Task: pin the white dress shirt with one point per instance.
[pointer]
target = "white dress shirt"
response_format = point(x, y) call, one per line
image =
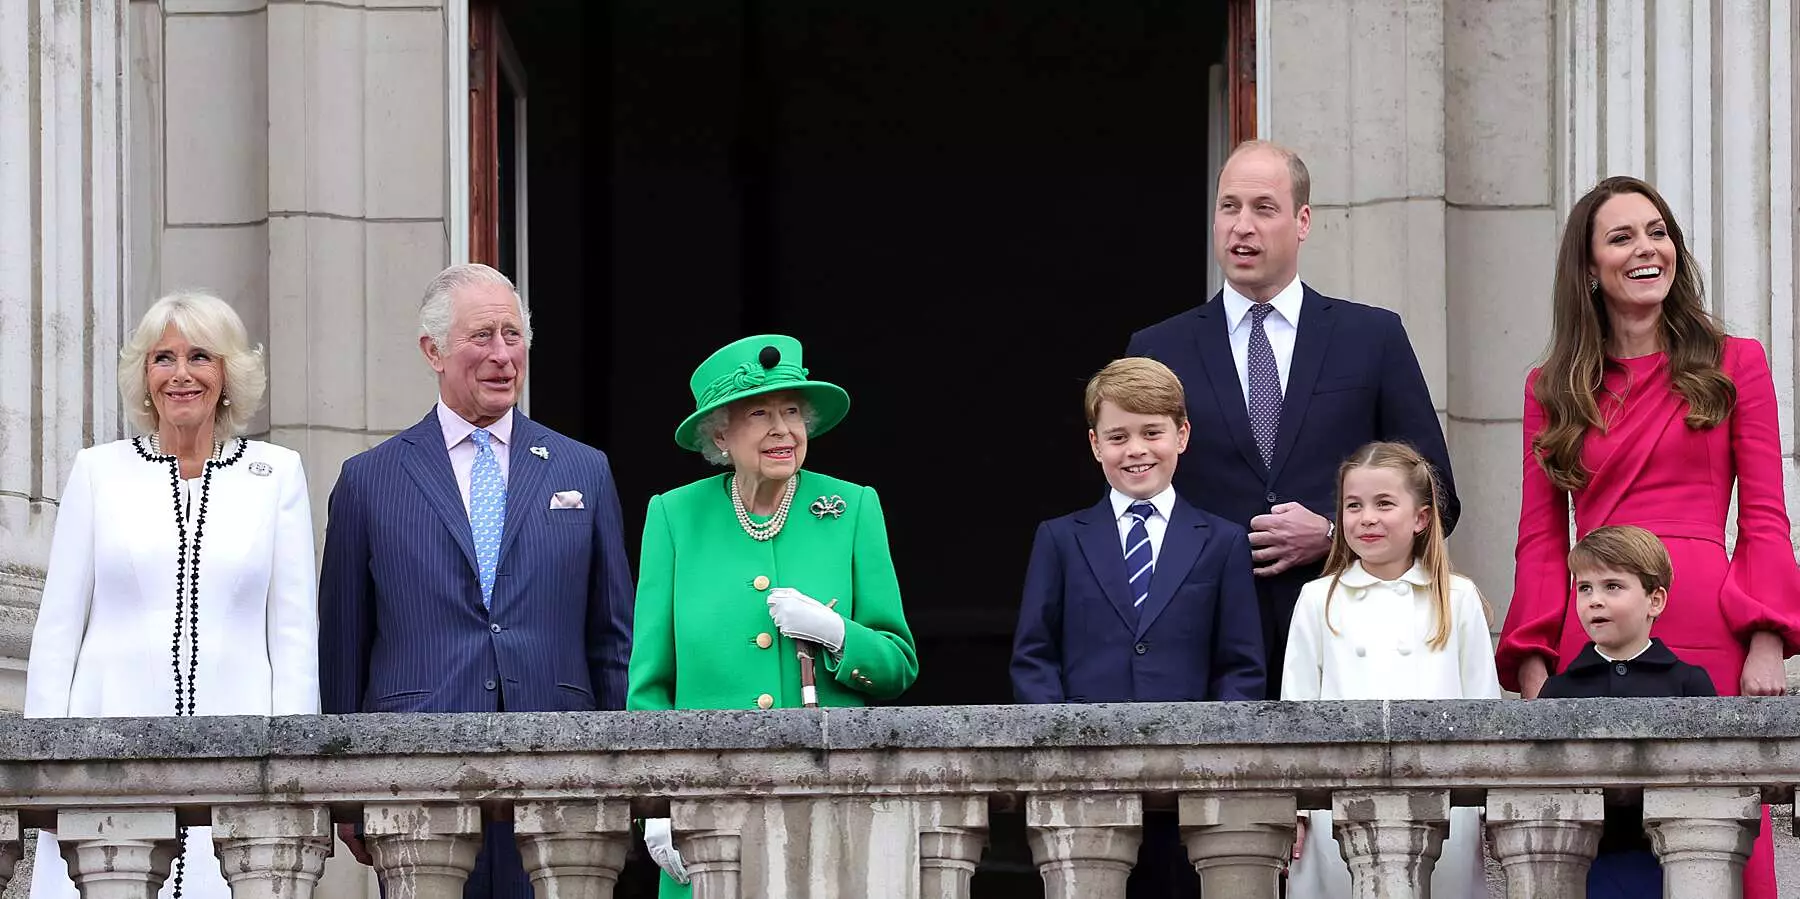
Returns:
point(1282, 325)
point(462, 449)
point(1156, 525)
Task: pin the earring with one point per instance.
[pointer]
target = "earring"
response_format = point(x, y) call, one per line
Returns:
point(146, 400)
point(1593, 285)
point(225, 402)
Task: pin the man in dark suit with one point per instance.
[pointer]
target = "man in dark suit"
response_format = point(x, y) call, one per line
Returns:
point(1283, 384)
point(475, 562)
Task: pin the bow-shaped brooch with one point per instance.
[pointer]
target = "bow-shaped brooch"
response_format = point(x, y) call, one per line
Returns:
point(832, 505)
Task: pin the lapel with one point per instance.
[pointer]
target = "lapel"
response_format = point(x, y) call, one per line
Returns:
point(1221, 370)
point(428, 463)
point(1303, 371)
point(1097, 532)
point(525, 474)
point(1181, 545)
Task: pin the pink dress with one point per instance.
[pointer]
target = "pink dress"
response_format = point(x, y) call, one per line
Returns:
point(1653, 471)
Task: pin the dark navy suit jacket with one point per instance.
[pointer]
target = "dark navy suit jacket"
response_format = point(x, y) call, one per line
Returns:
point(1354, 379)
point(1196, 638)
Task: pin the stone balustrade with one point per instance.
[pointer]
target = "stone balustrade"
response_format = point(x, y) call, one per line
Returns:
point(895, 802)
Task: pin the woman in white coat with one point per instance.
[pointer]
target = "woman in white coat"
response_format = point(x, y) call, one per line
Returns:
point(181, 577)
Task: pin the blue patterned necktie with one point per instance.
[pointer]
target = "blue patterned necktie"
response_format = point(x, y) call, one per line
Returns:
point(487, 511)
point(1265, 385)
point(1140, 561)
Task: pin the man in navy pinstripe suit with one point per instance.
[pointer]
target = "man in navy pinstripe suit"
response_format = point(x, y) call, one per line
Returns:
point(474, 563)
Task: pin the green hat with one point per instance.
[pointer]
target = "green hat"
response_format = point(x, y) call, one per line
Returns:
point(766, 363)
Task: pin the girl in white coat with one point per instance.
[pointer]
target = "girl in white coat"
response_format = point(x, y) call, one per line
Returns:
point(1388, 621)
point(128, 626)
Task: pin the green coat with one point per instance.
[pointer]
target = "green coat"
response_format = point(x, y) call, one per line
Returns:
point(702, 619)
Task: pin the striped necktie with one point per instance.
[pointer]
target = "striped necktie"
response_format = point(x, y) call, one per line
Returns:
point(1140, 561)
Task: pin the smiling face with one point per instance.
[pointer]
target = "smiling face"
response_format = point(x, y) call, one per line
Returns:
point(1631, 253)
point(765, 437)
point(185, 381)
point(1257, 229)
point(1616, 610)
point(1136, 452)
point(1380, 519)
point(480, 372)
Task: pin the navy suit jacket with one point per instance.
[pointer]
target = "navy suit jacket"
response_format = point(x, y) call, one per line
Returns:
point(402, 628)
point(1354, 379)
point(1196, 638)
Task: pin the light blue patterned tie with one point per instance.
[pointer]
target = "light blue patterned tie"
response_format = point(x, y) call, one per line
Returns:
point(487, 510)
point(1139, 560)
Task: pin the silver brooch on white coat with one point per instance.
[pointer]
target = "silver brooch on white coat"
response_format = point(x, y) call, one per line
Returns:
point(261, 469)
point(832, 505)
point(541, 453)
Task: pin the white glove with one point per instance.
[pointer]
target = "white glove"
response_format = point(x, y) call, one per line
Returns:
point(803, 618)
point(661, 844)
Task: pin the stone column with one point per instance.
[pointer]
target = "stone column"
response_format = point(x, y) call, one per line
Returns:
point(952, 833)
point(710, 836)
point(10, 847)
point(1085, 845)
point(1545, 840)
point(61, 276)
point(1391, 839)
point(272, 851)
point(573, 849)
point(1702, 836)
point(1239, 842)
point(117, 853)
point(423, 850)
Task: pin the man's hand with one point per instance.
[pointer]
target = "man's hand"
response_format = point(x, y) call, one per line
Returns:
point(1288, 536)
point(1763, 672)
point(347, 833)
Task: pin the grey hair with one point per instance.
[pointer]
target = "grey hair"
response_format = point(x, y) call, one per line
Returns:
point(434, 308)
point(208, 322)
point(716, 421)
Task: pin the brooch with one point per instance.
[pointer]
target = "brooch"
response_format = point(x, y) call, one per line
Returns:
point(541, 453)
point(832, 505)
point(261, 469)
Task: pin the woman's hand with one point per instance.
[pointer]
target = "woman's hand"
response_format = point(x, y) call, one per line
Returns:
point(800, 617)
point(1533, 671)
point(1764, 674)
point(1299, 836)
point(661, 843)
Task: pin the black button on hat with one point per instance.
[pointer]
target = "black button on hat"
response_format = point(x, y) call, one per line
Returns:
point(769, 357)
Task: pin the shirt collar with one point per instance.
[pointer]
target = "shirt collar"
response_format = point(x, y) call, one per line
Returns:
point(1357, 576)
point(1164, 502)
point(1286, 303)
point(456, 430)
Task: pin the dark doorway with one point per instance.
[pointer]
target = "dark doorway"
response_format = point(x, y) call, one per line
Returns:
point(961, 209)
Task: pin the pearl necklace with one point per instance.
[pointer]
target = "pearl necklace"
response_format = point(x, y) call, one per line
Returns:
point(156, 447)
point(767, 530)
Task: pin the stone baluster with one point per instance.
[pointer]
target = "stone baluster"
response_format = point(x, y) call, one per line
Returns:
point(1545, 840)
point(1391, 839)
point(1239, 842)
point(1085, 845)
point(1702, 836)
point(709, 833)
point(952, 833)
point(117, 853)
point(10, 848)
point(272, 851)
point(422, 850)
point(573, 849)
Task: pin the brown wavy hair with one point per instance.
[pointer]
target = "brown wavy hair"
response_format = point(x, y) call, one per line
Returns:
point(1570, 380)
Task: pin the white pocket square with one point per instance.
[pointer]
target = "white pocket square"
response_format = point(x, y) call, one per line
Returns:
point(566, 499)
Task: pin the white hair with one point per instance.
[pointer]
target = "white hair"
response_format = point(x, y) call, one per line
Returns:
point(434, 309)
point(718, 420)
point(208, 322)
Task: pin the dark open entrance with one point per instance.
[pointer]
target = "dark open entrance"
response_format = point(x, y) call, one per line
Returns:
point(961, 209)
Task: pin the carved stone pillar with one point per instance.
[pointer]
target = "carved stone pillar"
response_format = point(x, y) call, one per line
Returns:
point(117, 853)
point(1239, 842)
point(1545, 840)
point(1391, 839)
point(710, 836)
point(952, 833)
point(10, 848)
point(272, 851)
point(1085, 845)
point(1702, 836)
point(422, 850)
point(573, 849)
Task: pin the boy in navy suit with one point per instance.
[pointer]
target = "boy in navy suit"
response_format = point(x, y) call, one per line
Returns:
point(1142, 597)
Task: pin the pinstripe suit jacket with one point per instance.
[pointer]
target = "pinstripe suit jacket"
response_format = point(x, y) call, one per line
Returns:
point(402, 628)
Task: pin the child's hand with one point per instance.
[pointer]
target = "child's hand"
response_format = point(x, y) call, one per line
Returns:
point(1299, 835)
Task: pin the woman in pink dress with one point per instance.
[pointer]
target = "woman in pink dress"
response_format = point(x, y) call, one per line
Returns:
point(1646, 413)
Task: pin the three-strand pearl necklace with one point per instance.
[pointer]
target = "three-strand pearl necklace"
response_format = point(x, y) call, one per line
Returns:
point(767, 530)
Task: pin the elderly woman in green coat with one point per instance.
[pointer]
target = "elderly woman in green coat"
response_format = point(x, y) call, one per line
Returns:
point(741, 572)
